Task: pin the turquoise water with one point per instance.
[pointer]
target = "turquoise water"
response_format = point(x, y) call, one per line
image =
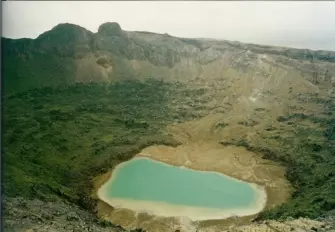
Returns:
point(148, 180)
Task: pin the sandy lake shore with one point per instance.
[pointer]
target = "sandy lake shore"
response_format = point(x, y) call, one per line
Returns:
point(172, 210)
point(235, 162)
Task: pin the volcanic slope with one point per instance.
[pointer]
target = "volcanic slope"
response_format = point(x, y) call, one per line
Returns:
point(77, 103)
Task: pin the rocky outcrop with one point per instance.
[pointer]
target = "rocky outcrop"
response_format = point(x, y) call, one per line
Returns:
point(58, 216)
point(111, 29)
point(64, 40)
point(297, 225)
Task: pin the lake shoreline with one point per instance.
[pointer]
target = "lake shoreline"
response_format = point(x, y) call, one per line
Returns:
point(175, 210)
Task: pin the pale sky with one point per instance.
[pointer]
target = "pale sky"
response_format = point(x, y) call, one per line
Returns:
point(292, 24)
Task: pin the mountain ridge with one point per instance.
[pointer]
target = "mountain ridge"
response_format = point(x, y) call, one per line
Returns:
point(166, 34)
point(69, 27)
point(165, 54)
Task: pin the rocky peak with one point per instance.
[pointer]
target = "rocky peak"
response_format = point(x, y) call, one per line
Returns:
point(111, 38)
point(110, 29)
point(67, 32)
point(65, 39)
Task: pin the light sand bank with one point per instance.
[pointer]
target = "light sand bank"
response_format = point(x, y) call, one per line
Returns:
point(235, 162)
point(172, 210)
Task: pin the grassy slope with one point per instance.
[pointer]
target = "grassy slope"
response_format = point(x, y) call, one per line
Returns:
point(55, 140)
point(23, 73)
point(305, 145)
point(309, 155)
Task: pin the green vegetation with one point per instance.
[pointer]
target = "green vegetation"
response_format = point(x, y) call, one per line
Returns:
point(40, 71)
point(57, 139)
point(308, 154)
point(305, 145)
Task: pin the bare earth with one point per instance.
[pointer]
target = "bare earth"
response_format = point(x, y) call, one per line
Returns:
point(204, 155)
